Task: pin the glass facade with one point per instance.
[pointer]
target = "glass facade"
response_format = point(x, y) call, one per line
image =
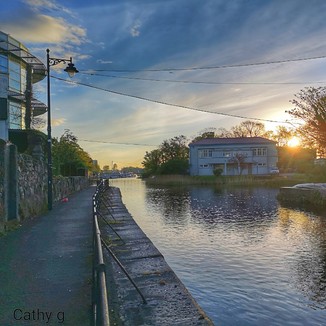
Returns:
point(3, 64)
point(15, 60)
point(16, 115)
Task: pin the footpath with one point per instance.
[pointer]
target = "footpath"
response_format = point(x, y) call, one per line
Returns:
point(46, 267)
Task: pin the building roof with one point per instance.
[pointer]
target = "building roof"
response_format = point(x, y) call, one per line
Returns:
point(8, 45)
point(232, 141)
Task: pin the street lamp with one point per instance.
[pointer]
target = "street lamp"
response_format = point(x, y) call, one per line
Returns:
point(71, 70)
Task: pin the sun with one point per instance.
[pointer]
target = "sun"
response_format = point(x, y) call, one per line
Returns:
point(294, 142)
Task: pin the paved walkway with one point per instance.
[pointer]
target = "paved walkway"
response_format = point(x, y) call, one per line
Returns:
point(46, 267)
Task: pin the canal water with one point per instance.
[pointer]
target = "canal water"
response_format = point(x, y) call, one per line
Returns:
point(245, 259)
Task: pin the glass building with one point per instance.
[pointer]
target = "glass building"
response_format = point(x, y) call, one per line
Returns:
point(19, 70)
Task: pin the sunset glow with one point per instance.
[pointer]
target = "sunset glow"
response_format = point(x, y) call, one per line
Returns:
point(294, 142)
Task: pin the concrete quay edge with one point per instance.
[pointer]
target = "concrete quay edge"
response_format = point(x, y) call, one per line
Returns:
point(168, 300)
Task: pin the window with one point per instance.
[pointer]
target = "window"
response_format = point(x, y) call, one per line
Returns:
point(261, 151)
point(14, 75)
point(16, 116)
point(205, 153)
point(226, 154)
point(3, 64)
point(23, 77)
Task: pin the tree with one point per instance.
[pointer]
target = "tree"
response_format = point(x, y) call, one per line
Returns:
point(170, 158)
point(206, 133)
point(248, 128)
point(310, 108)
point(68, 157)
point(282, 135)
point(239, 159)
point(175, 148)
point(152, 162)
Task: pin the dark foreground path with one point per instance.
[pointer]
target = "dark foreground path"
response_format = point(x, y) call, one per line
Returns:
point(46, 267)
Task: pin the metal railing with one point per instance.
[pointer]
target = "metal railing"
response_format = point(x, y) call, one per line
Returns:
point(99, 293)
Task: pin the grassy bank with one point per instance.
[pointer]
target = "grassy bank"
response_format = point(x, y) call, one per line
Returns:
point(244, 180)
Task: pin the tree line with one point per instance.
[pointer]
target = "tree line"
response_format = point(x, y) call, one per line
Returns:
point(69, 159)
point(309, 112)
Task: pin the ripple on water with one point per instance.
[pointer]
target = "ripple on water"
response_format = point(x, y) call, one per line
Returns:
point(245, 259)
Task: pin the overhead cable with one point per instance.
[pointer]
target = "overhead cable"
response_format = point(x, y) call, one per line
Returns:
point(215, 67)
point(202, 82)
point(115, 143)
point(166, 103)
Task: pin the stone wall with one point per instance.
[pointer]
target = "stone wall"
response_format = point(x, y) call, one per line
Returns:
point(32, 186)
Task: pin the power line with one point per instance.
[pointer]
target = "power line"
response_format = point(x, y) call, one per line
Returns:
point(166, 103)
point(202, 82)
point(214, 67)
point(115, 143)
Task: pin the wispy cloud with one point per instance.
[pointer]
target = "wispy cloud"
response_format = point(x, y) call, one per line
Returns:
point(58, 122)
point(32, 23)
point(40, 5)
point(103, 61)
point(135, 29)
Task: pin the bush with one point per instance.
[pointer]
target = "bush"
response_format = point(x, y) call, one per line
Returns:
point(218, 172)
point(177, 166)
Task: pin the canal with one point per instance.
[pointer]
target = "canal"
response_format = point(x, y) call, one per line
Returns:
point(245, 259)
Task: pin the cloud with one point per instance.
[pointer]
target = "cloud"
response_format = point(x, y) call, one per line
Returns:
point(46, 4)
point(58, 122)
point(45, 29)
point(134, 30)
point(35, 24)
point(103, 61)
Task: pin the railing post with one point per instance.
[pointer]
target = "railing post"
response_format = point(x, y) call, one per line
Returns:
point(99, 292)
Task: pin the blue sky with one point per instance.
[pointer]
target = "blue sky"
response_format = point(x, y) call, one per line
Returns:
point(139, 44)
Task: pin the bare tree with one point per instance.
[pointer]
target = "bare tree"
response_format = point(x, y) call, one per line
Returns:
point(310, 108)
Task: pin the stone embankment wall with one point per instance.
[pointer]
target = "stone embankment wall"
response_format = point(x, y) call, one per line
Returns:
point(29, 193)
point(32, 186)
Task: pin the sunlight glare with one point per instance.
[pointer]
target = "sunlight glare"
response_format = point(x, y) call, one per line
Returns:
point(294, 142)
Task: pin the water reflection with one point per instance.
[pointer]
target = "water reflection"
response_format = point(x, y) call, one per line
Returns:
point(245, 259)
point(307, 234)
point(173, 204)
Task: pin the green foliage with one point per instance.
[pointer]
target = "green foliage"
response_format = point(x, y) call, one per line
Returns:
point(218, 172)
point(295, 159)
point(174, 166)
point(319, 171)
point(170, 158)
point(68, 157)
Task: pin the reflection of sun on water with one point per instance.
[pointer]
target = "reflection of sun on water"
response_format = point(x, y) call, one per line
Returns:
point(294, 142)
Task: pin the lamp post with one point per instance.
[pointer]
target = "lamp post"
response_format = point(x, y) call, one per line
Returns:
point(71, 70)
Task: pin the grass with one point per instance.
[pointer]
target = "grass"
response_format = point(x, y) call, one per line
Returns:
point(9, 226)
point(244, 180)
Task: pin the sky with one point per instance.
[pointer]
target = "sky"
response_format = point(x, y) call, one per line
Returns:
point(150, 70)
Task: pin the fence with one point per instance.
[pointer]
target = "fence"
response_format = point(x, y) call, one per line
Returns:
point(99, 296)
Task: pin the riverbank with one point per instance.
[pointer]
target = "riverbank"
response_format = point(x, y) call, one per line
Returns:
point(285, 180)
point(305, 195)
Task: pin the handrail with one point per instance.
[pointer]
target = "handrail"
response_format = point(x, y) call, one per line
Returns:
point(99, 295)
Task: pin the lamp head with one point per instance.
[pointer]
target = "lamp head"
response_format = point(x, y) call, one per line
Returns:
point(71, 69)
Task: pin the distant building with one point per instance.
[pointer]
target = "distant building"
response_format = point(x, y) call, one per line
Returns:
point(233, 156)
point(19, 70)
